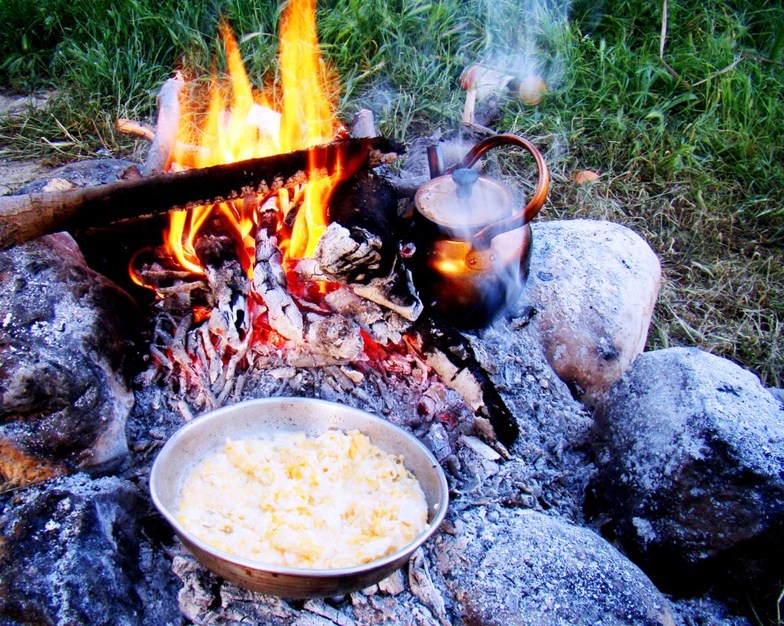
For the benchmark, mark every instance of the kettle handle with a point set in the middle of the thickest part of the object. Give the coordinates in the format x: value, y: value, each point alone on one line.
x: 482, y: 239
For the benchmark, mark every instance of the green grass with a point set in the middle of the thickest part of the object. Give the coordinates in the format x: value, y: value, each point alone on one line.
x: 693, y: 165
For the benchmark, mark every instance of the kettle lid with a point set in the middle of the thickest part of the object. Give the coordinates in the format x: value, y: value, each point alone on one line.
x: 463, y: 200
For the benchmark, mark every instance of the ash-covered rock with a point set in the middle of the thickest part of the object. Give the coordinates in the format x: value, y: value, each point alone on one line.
x: 79, y: 174
x: 65, y: 337
x: 691, y: 472
x: 594, y: 285
x: 706, y: 611
x: 72, y: 552
x: 527, y: 568
x: 550, y: 459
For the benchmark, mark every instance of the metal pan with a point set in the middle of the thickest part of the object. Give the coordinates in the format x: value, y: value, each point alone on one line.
x: 256, y: 418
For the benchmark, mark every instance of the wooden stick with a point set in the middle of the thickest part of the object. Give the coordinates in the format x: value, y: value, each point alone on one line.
x: 29, y: 216
x: 469, y: 107
x: 166, y: 127
x: 137, y: 129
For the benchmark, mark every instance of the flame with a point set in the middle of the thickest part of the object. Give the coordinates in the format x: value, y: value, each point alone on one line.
x: 308, y: 114
x: 241, y: 123
x: 312, y: 218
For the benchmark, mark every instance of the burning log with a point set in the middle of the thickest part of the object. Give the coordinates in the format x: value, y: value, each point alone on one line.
x: 29, y: 216
x: 319, y: 337
x: 385, y: 326
x: 269, y: 282
x: 360, y: 248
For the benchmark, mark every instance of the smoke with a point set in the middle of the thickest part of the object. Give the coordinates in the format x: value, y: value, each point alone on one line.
x: 523, y: 36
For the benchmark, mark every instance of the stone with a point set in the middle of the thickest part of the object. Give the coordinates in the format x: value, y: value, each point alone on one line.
x: 690, y: 480
x: 777, y: 393
x: 71, y: 552
x: 65, y: 336
x: 707, y: 610
x: 593, y: 285
x: 80, y: 174
x: 538, y: 570
x: 14, y: 171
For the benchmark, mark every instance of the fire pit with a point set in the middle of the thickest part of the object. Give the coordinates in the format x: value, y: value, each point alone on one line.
x: 286, y: 270
x: 284, y: 250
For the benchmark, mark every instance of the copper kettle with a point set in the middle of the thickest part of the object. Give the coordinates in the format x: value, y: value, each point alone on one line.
x: 472, y: 245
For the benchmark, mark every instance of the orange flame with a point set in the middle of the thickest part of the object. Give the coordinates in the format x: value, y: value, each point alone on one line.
x: 241, y: 123
x: 308, y: 114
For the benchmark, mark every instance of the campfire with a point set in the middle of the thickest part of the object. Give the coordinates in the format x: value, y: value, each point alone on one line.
x: 285, y: 253
x: 305, y: 269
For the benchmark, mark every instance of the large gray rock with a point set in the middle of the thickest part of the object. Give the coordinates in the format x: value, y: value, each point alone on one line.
x: 71, y: 552
x: 594, y: 285
x: 691, y: 470
x: 538, y: 570
x: 65, y: 339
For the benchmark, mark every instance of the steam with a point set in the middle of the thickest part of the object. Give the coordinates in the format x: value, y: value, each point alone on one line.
x: 522, y: 38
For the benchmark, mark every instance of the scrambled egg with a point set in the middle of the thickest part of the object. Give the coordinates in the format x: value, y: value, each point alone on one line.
x: 325, y: 502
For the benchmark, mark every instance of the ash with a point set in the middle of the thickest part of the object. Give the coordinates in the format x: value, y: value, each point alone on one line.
x: 546, y: 471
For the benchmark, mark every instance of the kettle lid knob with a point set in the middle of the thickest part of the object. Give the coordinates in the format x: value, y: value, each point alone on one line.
x: 464, y: 179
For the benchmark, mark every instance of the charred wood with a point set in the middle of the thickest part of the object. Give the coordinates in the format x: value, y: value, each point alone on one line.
x: 269, y: 283
x: 395, y: 291
x: 360, y: 247
x: 26, y: 217
x: 453, y: 359
x: 385, y: 326
x: 334, y: 335
x: 366, y: 206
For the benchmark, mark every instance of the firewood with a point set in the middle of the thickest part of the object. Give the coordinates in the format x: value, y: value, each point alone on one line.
x: 453, y: 359
x: 364, y: 124
x: 137, y: 129
x: 29, y: 216
x: 361, y: 245
x: 383, y: 325
x: 269, y: 283
x: 147, y: 132
x: 366, y: 203
x: 166, y: 127
x: 318, y: 337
